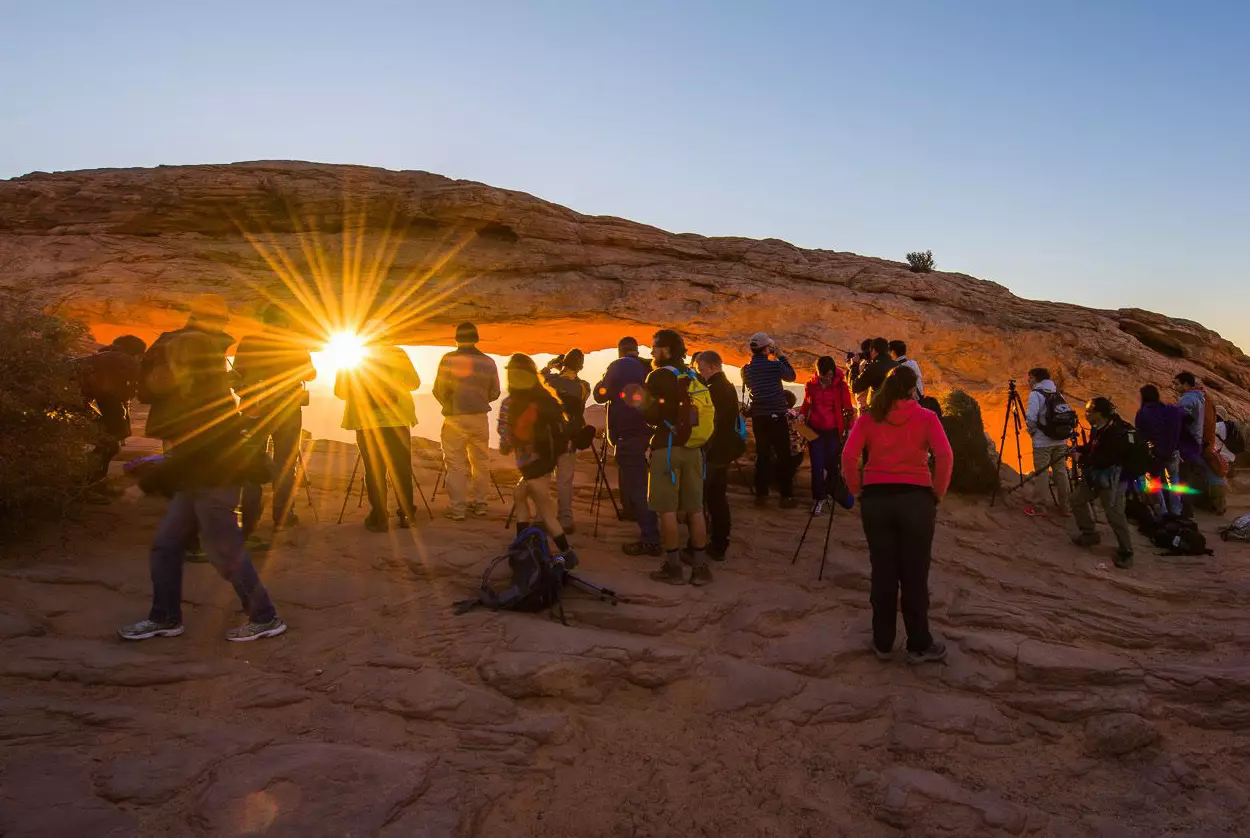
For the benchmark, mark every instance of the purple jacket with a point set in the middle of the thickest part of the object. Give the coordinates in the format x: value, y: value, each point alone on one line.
x: 1160, y: 425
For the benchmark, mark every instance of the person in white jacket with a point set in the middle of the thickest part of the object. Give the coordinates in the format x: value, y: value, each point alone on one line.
x: 1049, y: 455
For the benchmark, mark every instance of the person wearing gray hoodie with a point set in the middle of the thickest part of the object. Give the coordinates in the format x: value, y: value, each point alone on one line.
x: 1049, y: 454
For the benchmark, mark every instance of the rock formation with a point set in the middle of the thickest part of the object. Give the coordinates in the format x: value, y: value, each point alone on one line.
x: 126, y: 248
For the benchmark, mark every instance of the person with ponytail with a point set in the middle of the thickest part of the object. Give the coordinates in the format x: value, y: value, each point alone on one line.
x: 899, y: 497
x: 531, y: 426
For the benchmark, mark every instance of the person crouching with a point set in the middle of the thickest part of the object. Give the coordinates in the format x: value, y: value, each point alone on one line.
x: 529, y: 425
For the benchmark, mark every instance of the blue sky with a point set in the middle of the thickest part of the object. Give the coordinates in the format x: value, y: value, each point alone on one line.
x: 1096, y: 152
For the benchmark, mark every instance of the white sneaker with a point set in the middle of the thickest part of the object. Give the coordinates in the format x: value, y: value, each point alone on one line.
x: 255, y: 631
x: 144, y: 629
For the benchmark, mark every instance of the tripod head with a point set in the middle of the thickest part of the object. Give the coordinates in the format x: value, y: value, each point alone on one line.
x: 1011, y: 386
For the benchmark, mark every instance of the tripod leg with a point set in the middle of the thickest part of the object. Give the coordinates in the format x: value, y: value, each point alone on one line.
x: 351, y: 484
x: 1002, y: 447
x: 303, y: 478
x: 421, y: 492
x: 820, y: 576
x: 596, y: 497
x: 497, y: 489
x: 442, y: 470
x: 1016, y: 416
x: 811, y: 517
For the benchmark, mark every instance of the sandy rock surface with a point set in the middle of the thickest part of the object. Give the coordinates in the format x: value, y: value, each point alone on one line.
x: 1077, y: 701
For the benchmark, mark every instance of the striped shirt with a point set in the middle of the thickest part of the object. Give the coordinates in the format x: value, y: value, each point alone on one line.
x: 763, y: 377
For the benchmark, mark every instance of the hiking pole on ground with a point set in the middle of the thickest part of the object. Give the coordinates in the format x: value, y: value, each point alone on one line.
x: 351, y: 484
x: 1015, y: 410
x: 602, y: 594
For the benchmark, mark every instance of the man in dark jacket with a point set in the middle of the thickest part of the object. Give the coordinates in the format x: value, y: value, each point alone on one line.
x: 271, y: 369
x: 872, y: 375
x: 722, y: 449
x: 207, y: 462
x: 561, y: 375
x: 466, y: 385
x: 109, y: 380
x: 623, y: 390
x: 1102, y: 461
x: 675, y: 478
x: 1161, y: 426
x: 764, y: 377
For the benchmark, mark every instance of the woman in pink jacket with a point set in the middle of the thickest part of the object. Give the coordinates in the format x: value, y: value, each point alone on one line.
x: 898, y: 501
x: 826, y: 407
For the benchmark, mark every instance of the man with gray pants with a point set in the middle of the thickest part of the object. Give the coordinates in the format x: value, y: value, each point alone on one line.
x: 466, y: 385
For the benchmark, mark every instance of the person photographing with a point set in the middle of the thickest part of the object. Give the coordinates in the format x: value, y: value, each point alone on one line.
x: 561, y: 375
x: 1102, y: 462
x: 899, y: 498
x: 765, y: 377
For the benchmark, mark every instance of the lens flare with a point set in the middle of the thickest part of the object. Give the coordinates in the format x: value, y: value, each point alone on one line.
x: 1154, y: 486
x: 343, y: 350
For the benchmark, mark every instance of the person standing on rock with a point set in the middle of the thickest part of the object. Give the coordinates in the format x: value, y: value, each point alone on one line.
x: 1048, y: 430
x: 675, y: 479
x: 530, y: 427
x: 764, y: 377
x: 1161, y: 426
x: 1102, y: 463
x: 109, y: 380
x: 899, y: 497
x: 725, y: 446
x: 826, y: 408
x: 466, y: 385
x: 561, y: 375
x: 206, y: 465
x: 378, y: 406
x: 872, y: 374
x: 273, y: 369
x: 1206, y: 471
x: 898, y: 354
x: 623, y: 390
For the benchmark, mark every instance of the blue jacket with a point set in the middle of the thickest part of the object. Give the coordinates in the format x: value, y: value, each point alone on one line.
x: 763, y: 376
x: 623, y: 390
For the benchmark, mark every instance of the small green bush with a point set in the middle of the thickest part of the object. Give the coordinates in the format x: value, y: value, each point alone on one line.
x: 975, y: 456
x: 921, y: 263
x: 44, y: 460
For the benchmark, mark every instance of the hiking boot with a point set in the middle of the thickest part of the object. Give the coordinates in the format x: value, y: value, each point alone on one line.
x: 881, y: 656
x: 716, y: 552
x: 788, y: 503
x: 669, y: 574
x: 256, y: 544
x: 144, y: 629
x: 936, y: 653
x: 403, y: 522
x: 1087, y: 539
x: 1123, y: 559
x: 375, y: 524
x: 818, y: 509
x: 250, y: 630
x: 569, y: 557
x: 479, y: 509
x: 642, y: 548
x: 454, y: 516
x: 701, y: 575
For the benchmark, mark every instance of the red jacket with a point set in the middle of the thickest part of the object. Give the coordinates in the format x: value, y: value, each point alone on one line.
x: 898, y: 450
x: 823, y: 405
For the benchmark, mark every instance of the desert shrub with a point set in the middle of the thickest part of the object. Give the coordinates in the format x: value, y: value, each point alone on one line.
x: 44, y: 460
x: 974, y: 452
x: 921, y: 263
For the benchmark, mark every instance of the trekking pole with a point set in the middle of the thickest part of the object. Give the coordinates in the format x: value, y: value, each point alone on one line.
x: 351, y: 484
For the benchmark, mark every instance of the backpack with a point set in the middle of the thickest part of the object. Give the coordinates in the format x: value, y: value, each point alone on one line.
x: 1180, y: 537
x: 1057, y: 419
x: 1139, y: 462
x: 696, y: 415
x: 1238, y: 530
x: 538, y: 579
x: 109, y: 375
x: 156, y: 377
x: 1233, y: 440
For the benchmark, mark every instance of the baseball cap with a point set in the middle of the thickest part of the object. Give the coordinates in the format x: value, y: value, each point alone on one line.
x: 760, y: 339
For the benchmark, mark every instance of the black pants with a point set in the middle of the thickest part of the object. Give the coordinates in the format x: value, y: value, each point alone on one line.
x: 716, y: 499
x: 899, y: 525
x: 387, y: 451
x: 772, y: 455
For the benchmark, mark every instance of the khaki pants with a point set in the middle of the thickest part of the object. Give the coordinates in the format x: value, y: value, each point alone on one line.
x: 566, y: 468
x: 1112, y: 503
x: 1053, y: 460
x: 466, y: 457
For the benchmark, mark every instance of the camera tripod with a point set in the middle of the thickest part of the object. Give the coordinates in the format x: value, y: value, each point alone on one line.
x: 601, y: 482
x: 835, y: 480
x: 1014, y: 418
x: 351, y: 484
x: 441, y: 478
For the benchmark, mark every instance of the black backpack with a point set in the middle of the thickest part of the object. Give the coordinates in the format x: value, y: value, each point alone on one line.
x: 1180, y: 537
x: 538, y: 579
x: 1139, y: 462
x: 1233, y: 440
x: 1057, y: 419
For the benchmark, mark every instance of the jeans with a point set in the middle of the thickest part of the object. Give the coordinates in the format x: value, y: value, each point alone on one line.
x: 387, y: 451
x: 772, y: 454
x: 632, y: 470
x: 1052, y: 459
x: 466, y: 457
x: 212, y: 510
x: 716, y: 498
x: 286, y: 439
x: 1172, y: 503
x: 899, y: 527
x: 826, y: 451
x: 566, y: 470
